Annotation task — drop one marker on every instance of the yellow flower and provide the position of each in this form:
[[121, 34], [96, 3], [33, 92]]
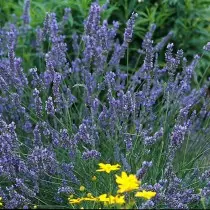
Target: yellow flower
[[145, 194], [103, 198], [127, 183], [94, 178], [82, 188], [35, 206], [111, 199], [108, 167], [1, 204], [90, 197], [75, 201], [116, 199]]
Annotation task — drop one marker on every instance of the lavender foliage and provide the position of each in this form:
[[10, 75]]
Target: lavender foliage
[[86, 107]]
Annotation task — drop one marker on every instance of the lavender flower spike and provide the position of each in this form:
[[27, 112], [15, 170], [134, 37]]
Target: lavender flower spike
[[26, 13]]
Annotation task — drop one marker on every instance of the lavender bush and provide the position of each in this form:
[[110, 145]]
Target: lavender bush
[[79, 106]]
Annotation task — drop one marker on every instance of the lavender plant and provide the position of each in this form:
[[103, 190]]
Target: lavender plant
[[80, 105]]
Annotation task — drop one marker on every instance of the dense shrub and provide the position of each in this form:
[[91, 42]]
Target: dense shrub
[[78, 106]]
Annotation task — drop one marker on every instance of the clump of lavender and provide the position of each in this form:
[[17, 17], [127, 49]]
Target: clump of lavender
[[81, 107]]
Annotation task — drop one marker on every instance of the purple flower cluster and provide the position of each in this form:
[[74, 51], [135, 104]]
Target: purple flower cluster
[[91, 154], [88, 107]]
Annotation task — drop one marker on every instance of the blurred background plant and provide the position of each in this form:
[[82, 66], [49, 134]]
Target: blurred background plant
[[188, 20], [39, 8]]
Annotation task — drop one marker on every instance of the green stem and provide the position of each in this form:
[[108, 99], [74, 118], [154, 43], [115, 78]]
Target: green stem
[[126, 9], [110, 185], [185, 151], [127, 58], [203, 203]]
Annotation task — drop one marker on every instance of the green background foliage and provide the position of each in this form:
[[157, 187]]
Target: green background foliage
[[187, 19]]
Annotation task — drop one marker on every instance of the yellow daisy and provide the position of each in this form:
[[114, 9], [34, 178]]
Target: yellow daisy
[[127, 183], [103, 198], [145, 194], [117, 199], [108, 167], [111, 199]]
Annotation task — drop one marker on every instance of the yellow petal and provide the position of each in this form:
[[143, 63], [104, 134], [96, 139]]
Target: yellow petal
[[145, 194]]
